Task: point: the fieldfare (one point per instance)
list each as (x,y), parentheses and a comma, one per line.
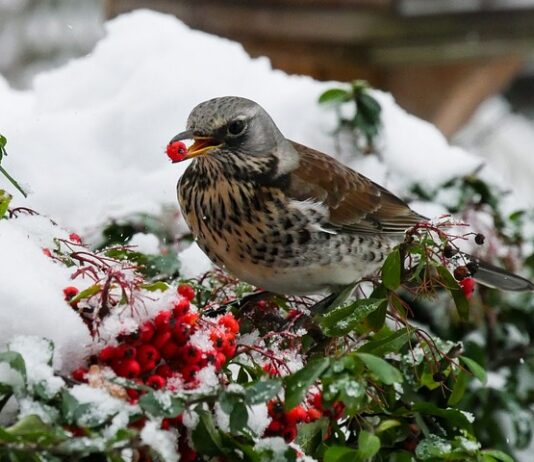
(283,216)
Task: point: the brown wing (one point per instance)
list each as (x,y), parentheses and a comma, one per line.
(356,204)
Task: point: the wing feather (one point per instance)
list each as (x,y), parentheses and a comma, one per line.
(355,203)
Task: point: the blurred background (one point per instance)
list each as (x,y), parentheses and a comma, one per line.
(440,58)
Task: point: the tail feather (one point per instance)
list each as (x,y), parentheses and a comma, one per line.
(498,278)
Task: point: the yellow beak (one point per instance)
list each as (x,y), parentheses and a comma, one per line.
(201,146)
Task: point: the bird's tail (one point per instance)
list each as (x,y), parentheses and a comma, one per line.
(498,278)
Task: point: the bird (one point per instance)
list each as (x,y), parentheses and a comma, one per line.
(285,217)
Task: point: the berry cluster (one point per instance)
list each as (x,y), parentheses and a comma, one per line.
(163,353)
(284,423)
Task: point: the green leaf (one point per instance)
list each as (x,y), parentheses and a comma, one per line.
(458,389)
(391,270)
(32,429)
(368,444)
(370,107)
(238,418)
(433,447)
(385,372)
(498,455)
(392,343)
(262,391)
(150,403)
(154,286)
(340,321)
(476,369)
(5,200)
(206,438)
(340,454)
(310,435)
(453,416)
(461,302)
(15,361)
(334,96)
(297,383)
(86,293)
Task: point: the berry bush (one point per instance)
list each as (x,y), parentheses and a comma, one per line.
(415,363)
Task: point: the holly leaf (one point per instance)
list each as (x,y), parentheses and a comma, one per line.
(458,389)
(297,383)
(340,454)
(384,371)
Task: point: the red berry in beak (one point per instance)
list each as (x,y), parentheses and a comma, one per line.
(176,151)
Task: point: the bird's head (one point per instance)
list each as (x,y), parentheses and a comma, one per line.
(230,124)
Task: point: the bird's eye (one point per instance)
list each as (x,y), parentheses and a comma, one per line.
(236,127)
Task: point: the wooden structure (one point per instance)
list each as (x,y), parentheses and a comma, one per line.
(440,58)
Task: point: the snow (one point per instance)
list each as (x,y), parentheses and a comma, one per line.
(145,243)
(31,293)
(162,441)
(193,262)
(37,354)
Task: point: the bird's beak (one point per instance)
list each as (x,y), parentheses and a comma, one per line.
(202,144)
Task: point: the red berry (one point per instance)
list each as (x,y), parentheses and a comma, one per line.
(220,361)
(170,350)
(290,433)
(296,415)
(275,427)
(189,372)
(79,374)
(146,332)
(70,292)
(270,369)
(73,237)
(148,366)
(468,287)
(189,318)
(147,353)
(106,355)
(125,351)
(161,339)
(129,369)
(163,320)
(165,424)
(181,307)
(191,354)
(47,252)
(292,314)
(176,151)
(313,415)
(229,347)
(164,370)
(217,338)
(316,401)
(181,333)
(229,323)
(157,382)
(185,290)
(133,395)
